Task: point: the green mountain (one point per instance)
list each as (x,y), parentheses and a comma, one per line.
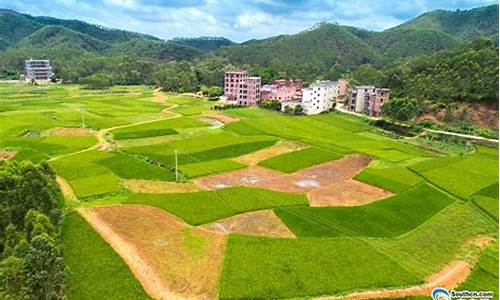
(205,43)
(462,24)
(56,38)
(328,47)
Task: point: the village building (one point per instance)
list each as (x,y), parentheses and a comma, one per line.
(367,99)
(38,70)
(282,90)
(342,88)
(319,97)
(241,88)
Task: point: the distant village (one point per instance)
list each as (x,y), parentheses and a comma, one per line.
(321,96)
(243,90)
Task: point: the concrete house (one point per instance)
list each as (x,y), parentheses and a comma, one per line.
(367,99)
(241,88)
(319,97)
(38,70)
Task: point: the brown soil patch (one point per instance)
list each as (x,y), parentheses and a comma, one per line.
(303,181)
(281,147)
(72,131)
(260,223)
(7,154)
(481,114)
(221,118)
(172,260)
(346,193)
(450,277)
(160,187)
(66,189)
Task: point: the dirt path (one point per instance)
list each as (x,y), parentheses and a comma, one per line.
(450,277)
(171,259)
(105,145)
(67,190)
(7,154)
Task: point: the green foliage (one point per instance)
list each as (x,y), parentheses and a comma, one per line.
(270,104)
(267,268)
(389,217)
(130,167)
(95,270)
(97,81)
(31,264)
(177,77)
(484,276)
(204,207)
(298,160)
(401,109)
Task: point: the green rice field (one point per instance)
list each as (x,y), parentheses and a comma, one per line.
(439,202)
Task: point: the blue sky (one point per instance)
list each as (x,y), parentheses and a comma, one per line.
(238,20)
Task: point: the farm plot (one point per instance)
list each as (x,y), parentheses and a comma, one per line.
(205,207)
(485,274)
(158,128)
(169,258)
(300,182)
(260,223)
(204,154)
(297,160)
(95,271)
(462,176)
(281,147)
(267,268)
(390,217)
(394,179)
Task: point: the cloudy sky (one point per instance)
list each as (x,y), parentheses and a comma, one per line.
(238,20)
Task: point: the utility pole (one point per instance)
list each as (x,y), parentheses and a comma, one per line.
(176,170)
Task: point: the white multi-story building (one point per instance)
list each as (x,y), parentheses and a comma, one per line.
(367,99)
(38,70)
(319,97)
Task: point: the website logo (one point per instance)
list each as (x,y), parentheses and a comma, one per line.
(440,294)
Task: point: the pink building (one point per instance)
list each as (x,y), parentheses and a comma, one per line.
(342,88)
(238,86)
(368,99)
(282,90)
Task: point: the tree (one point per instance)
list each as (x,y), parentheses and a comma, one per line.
(401,109)
(13,278)
(98,81)
(270,104)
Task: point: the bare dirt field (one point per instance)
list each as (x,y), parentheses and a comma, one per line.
(159,187)
(449,277)
(221,118)
(281,147)
(260,223)
(7,154)
(331,181)
(72,131)
(171,259)
(346,193)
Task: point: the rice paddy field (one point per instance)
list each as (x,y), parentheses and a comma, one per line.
(437,206)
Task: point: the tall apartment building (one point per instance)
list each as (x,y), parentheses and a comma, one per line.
(38,70)
(319,97)
(240,87)
(367,99)
(342,88)
(282,90)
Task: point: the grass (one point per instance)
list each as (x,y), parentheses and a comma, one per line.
(484,276)
(94,270)
(157,128)
(266,268)
(130,167)
(394,179)
(297,160)
(429,247)
(205,207)
(142,133)
(390,217)
(95,185)
(489,205)
(210,167)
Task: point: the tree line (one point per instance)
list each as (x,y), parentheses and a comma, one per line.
(31,260)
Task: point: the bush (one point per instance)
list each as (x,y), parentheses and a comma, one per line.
(97,81)
(270,104)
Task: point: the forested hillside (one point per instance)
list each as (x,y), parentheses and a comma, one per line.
(428,57)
